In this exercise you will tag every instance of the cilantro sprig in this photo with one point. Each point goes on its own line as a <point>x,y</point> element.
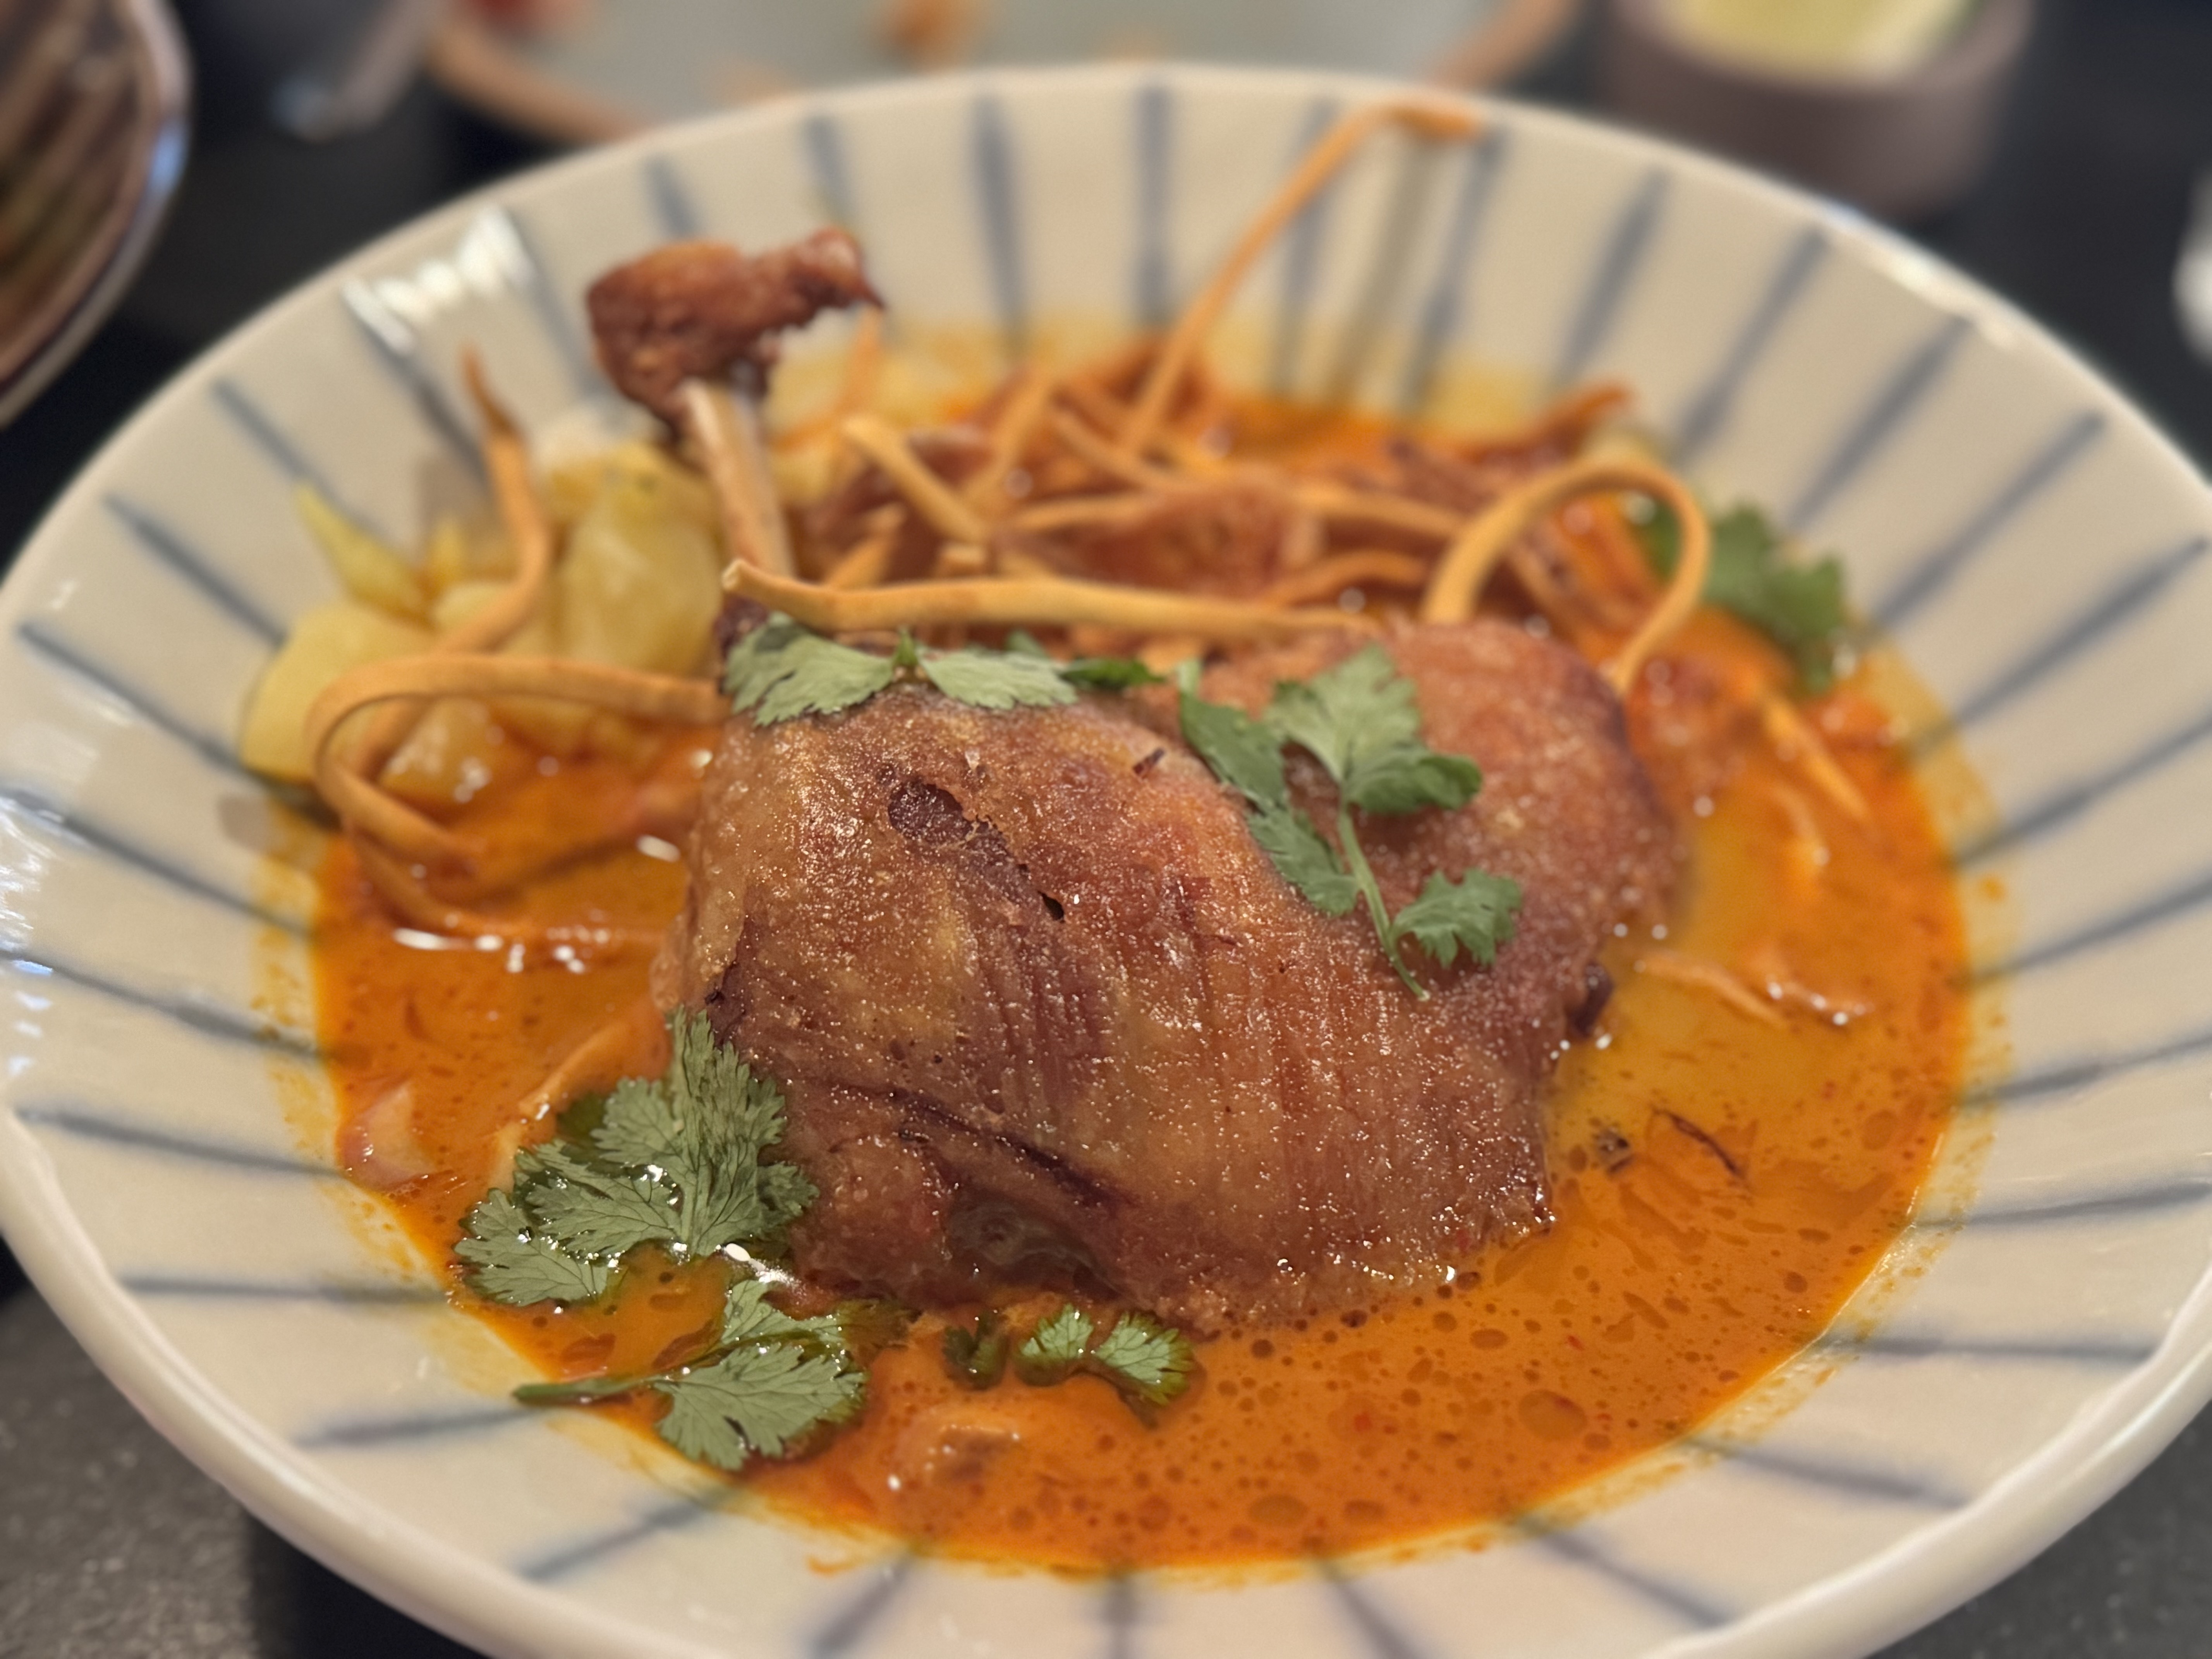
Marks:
<point>1149,1361</point>
<point>1360,721</point>
<point>1050,1354</point>
<point>1799,606</point>
<point>782,671</point>
<point>976,1357</point>
<point>676,1162</point>
<point>1148,1364</point>
<point>767,1386</point>
<point>679,1161</point>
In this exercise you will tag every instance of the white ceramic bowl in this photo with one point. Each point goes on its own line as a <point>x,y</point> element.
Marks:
<point>2036,546</point>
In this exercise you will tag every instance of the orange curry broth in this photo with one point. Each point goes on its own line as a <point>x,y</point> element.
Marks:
<point>1721,1184</point>
<point>1766,1168</point>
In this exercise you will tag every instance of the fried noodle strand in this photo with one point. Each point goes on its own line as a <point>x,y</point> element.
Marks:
<point>1428,118</point>
<point>1475,552</point>
<point>1034,601</point>
<point>365,809</point>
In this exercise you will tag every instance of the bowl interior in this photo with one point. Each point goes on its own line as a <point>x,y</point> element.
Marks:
<point>2033,546</point>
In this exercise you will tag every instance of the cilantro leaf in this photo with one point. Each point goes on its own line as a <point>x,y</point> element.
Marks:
<point>676,1162</point>
<point>769,1382</point>
<point>1144,1358</point>
<point>757,1401</point>
<point>749,1316</point>
<point>1348,714</point>
<point>725,1111</point>
<point>976,1358</point>
<point>1109,673</point>
<point>1409,776</point>
<point>589,1209</point>
<point>1146,1362</point>
<point>1091,674</point>
<point>679,1162</point>
<point>868,1325</point>
<point>510,1262</point>
<point>1476,913</point>
<point>784,1192</point>
<point>637,1125</point>
<point>997,679</point>
<point>1094,673</point>
<point>782,671</point>
<point>1055,1348</point>
<point>727,1118</point>
<point>1308,863</point>
<point>1362,722</point>
<point>1242,752</point>
<point>1799,606</point>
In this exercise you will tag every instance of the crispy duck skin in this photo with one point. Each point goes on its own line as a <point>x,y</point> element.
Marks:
<point>1043,1008</point>
<point>703,311</point>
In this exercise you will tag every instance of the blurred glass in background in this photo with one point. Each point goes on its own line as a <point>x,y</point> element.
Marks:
<point>92,138</point>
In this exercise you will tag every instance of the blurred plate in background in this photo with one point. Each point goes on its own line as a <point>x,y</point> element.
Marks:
<point>582,70</point>
<point>91,140</point>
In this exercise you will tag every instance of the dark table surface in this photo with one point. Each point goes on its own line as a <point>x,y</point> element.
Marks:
<point>113,1547</point>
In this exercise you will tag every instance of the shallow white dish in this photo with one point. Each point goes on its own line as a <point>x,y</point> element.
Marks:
<point>2036,546</point>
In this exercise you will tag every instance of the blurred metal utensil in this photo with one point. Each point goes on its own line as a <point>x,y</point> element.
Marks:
<point>91,140</point>
<point>351,86</point>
